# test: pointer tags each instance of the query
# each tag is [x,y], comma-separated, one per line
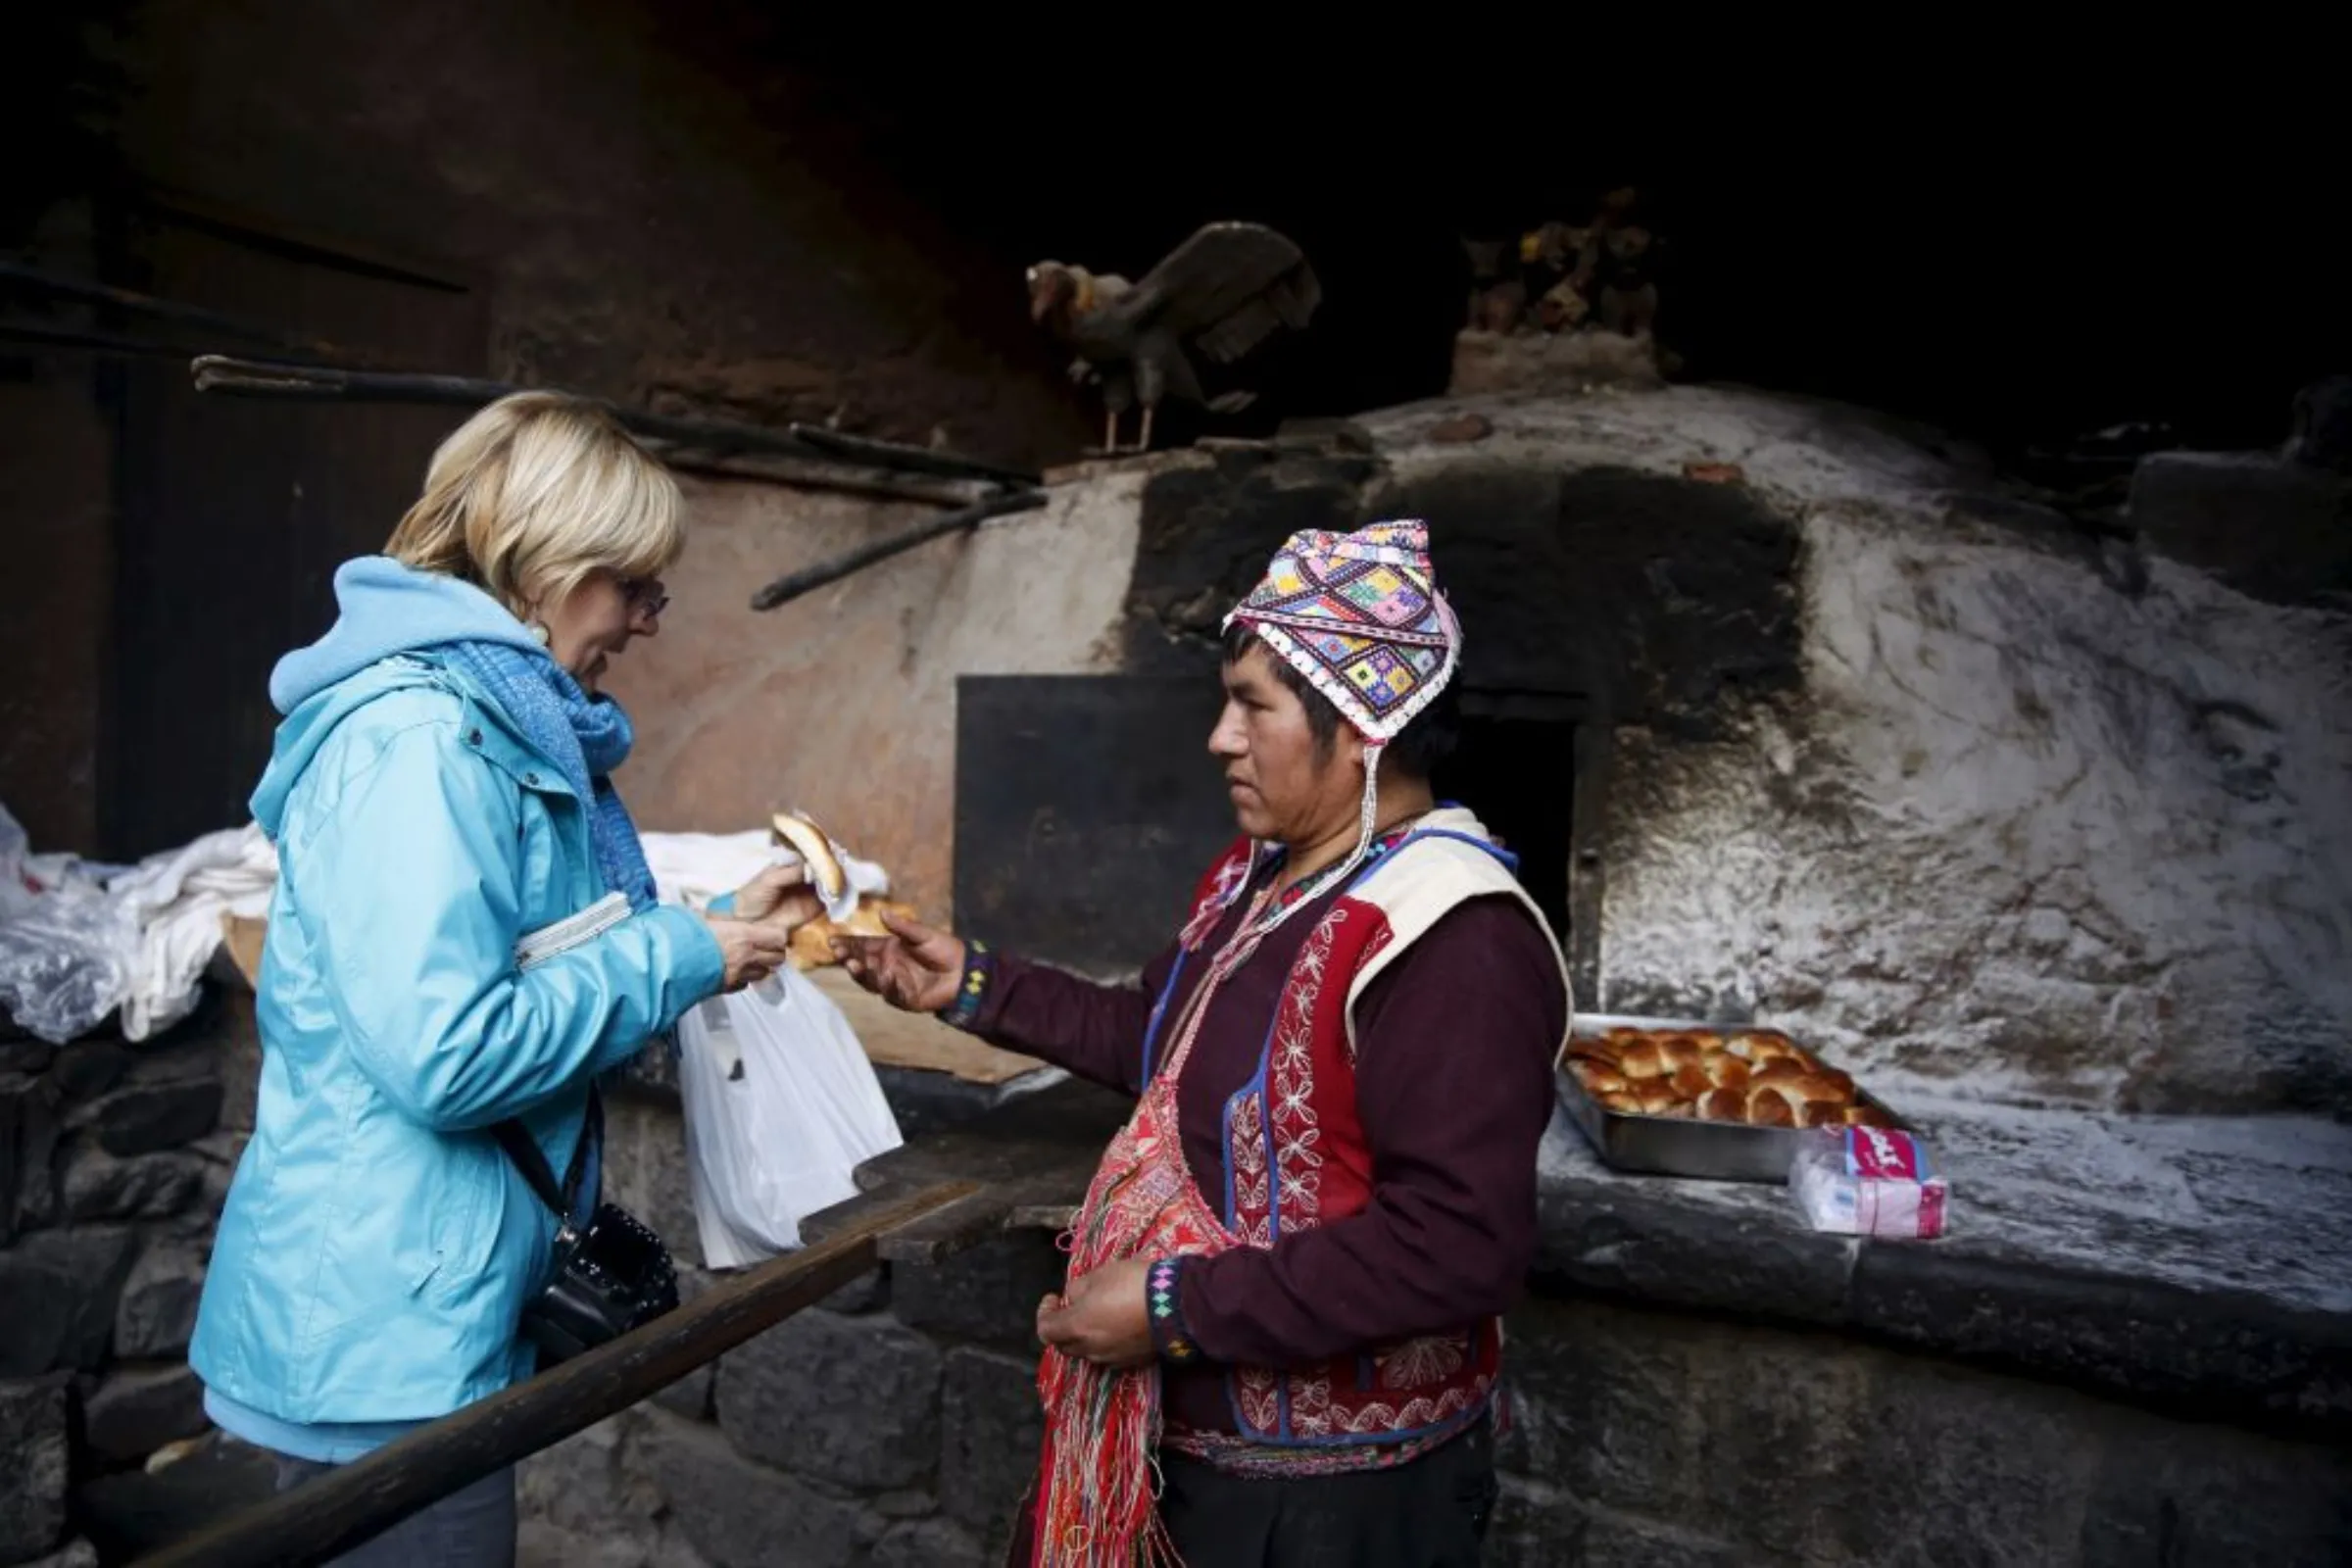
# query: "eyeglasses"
[644,595]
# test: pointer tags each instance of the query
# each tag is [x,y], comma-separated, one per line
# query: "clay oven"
[1796,716]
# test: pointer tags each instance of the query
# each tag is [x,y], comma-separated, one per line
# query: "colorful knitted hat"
[1359,615]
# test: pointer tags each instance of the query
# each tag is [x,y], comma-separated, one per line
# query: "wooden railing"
[356,1502]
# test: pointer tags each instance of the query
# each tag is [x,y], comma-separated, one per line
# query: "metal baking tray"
[1676,1146]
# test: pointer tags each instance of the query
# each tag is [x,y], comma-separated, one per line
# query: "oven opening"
[1514,766]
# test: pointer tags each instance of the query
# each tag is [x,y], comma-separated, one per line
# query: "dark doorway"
[1515,766]
[235,511]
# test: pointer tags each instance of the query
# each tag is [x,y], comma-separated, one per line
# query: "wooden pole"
[220,372]
[123,299]
[356,1502]
[84,339]
[793,584]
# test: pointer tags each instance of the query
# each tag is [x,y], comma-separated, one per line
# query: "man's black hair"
[1419,748]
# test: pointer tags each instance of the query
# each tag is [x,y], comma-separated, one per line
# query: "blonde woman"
[440,797]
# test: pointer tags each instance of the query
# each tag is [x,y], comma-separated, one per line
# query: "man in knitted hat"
[1281,1335]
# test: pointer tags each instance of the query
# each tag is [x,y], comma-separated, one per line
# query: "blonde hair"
[537,491]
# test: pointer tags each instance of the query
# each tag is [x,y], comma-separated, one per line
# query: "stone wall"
[843,702]
[892,1427]
[1649,1437]
[113,1162]
[896,1425]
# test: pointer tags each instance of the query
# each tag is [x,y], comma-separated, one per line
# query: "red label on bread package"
[1879,1153]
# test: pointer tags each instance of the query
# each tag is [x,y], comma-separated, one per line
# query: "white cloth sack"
[178,899]
[693,869]
[781,1103]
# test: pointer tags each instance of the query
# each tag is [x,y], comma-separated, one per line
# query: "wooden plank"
[896,1039]
[339,1510]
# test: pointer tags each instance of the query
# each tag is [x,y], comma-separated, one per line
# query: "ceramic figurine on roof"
[1218,296]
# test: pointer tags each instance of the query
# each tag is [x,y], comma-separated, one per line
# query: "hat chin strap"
[1368,820]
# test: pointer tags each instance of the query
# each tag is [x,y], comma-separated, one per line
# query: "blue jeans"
[472,1528]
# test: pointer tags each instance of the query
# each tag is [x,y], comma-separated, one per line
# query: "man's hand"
[781,893]
[914,969]
[1105,1318]
[753,949]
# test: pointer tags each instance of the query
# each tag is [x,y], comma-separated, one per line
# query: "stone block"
[987,1292]
[16,1090]
[36,1461]
[1544,361]
[1603,1406]
[1601,1235]
[138,1410]
[595,1484]
[853,1400]
[85,1069]
[693,1394]
[1534,1526]
[221,1152]
[1728,1433]
[76,1554]
[645,1172]
[868,1293]
[58,1296]
[930,1544]
[1936,1464]
[157,1315]
[240,1066]
[738,1514]
[540,1545]
[2273,528]
[1630,1541]
[26,1056]
[144,1118]
[2168,1494]
[2208,1349]
[99,1185]
[991,1427]
[29,1122]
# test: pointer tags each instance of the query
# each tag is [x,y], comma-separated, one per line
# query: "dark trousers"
[471,1528]
[1430,1513]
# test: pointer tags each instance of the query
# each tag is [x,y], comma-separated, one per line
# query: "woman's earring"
[539,632]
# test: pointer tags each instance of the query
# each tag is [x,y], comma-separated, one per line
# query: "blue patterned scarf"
[585,736]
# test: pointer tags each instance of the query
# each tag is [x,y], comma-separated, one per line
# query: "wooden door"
[235,511]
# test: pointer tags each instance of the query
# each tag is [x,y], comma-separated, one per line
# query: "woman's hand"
[753,949]
[914,969]
[1105,1318]
[781,893]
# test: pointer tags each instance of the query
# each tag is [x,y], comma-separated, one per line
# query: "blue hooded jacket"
[441,955]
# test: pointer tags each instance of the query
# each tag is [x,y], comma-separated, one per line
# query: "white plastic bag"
[781,1104]
[65,950]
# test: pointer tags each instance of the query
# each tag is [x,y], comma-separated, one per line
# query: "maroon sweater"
[1456,1040]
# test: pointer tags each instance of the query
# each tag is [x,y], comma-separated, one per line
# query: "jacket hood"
[384,608]
[388,609]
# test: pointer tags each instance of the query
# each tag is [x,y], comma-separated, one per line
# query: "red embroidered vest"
[1296,1155]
